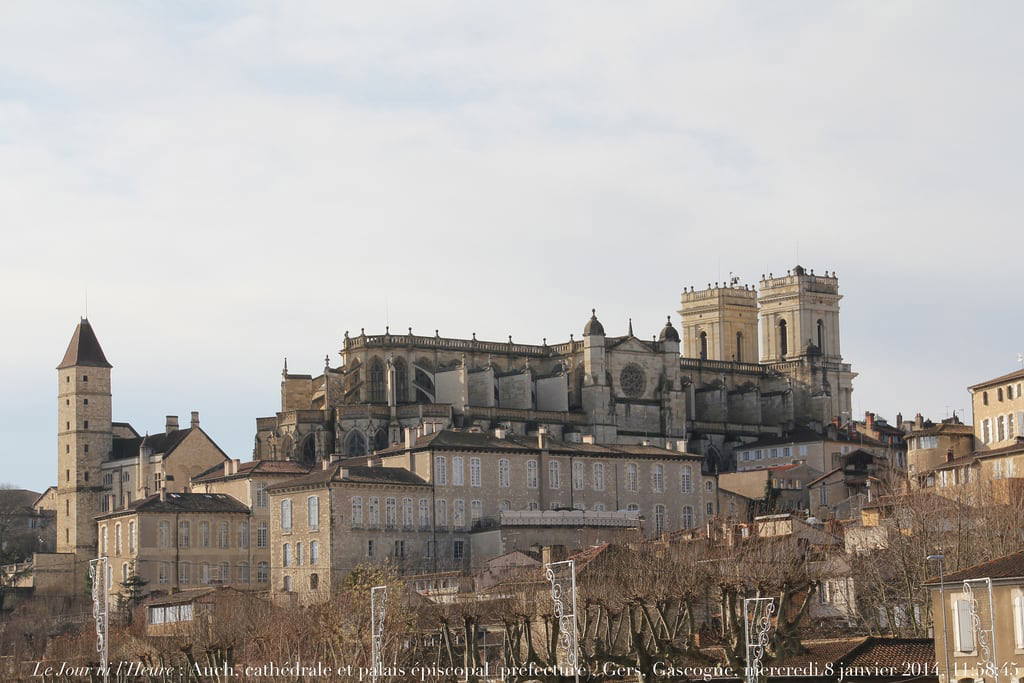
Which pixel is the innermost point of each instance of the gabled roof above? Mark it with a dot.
(182, 502)
(1005, 567)
(84, 349)
(253, 467)
(160, 443)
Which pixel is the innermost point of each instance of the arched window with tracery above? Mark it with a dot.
(401, 380)
(783, 339)
(355, 444)
(378, 387)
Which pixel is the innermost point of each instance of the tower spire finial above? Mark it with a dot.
(630, 327)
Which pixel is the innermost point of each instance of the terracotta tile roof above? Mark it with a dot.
(1005, 567)
(84, 349)
(868, 652)
(182, 502)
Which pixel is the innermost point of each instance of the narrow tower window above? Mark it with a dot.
(739, 346)
(783, 339)
(821, 336)
(703, 345)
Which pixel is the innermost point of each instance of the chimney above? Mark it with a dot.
(163, 493)
(499, 432)
(552, 553)
(195, 419)
(645, 442)
(171, 424)
(410, 440)
(589, 438)
(869, 420)
(918, 421)
(949, 455)
(325, 464)
(542, 438)
(234, 465)
(227, 468)
(681, 445)
(899, 420)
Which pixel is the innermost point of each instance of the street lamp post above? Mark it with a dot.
(942, 608)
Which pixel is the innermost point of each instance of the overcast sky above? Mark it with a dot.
(238, 182)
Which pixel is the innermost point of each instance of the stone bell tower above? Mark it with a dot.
(84, 441)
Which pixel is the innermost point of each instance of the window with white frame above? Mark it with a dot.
(183, 534)
(531, 474)
(424, 513)
(687, 517)
(243, 572)
(262, 535)
(163, 534)
(132, 537)
(658, 478)
(632, 479)
(286, 515)
(686, 479)
(476, 511)
(598, 472)
(504, 480)
(1018, 618)
(578, 475)
(457, 470)
(314, 552)
(163, 572)
(223, 535)
(986, 430)
(659, 519)
(390, 513)
(104, 546)
(204, 534)
(117, 538)
(373, 511)
(262, 572)
(440, 470)
(441, 513)
(313, 512)
(262, 499)
(243, 534)
(407, 520)
(474, 472)
(286, 555)
(554, 474)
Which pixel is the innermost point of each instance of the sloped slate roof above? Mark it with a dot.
(246, 469)
(84, 349)
(183, 502)
(163, 442)
(355, 474)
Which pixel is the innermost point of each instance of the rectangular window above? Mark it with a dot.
(441, 513)
(658, 478)
(369, 548)
(531, 474)
(986, 431)
(314, 552)
(223, 535)
(686, 479)
(313, 512)
(504, 480)
(373, 508)
(204, 534)
(476, 511)
(424, 513)
(578, 475)
(598, 476)
(803, 451)
(262, 535)
(459, 513)
(243, 572)
(183, 532)
(164, 572)
(407, 513)
(399, 548)
(390, 513)
(163, 535)
(263, 572)
(357, 511)
(554, 474)
(1018, 621)
(440, 471)
(457, 470)
(474, 472)
(632, 480)
(183, 573)
(286, 515)
(262, 499)
(243, 534)
(458, 550)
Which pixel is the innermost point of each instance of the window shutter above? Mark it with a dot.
(964, 626)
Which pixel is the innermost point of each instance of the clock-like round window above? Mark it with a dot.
(632, 381)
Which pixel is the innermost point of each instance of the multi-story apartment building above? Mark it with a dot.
(998, 409)
(978, 618)
(179, 540)
(822, 452)
(336, 517)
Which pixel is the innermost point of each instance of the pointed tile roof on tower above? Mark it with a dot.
(84, 349)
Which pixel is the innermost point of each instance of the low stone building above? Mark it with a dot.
(173, 541)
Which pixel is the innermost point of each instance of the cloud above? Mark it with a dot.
(239, 182)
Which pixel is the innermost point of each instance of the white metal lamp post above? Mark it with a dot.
(942, 602)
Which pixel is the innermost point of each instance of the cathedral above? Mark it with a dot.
(745, 363)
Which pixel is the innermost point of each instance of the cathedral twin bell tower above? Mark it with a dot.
(787, 317)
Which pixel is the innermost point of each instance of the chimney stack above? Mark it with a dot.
(195, 419)
(918, 421)
(499, 432)
(410, 440)
(589, 439)
(542, 438)
(899, 419)
(227, 468)
(171, 424)
(163, 494)
(552, 553)
(869, 420)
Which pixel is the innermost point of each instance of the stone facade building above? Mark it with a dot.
(179, 540)
(753, 364)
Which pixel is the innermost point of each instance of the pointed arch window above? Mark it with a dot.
(401, 380)
(355, 444)
(378, 388)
